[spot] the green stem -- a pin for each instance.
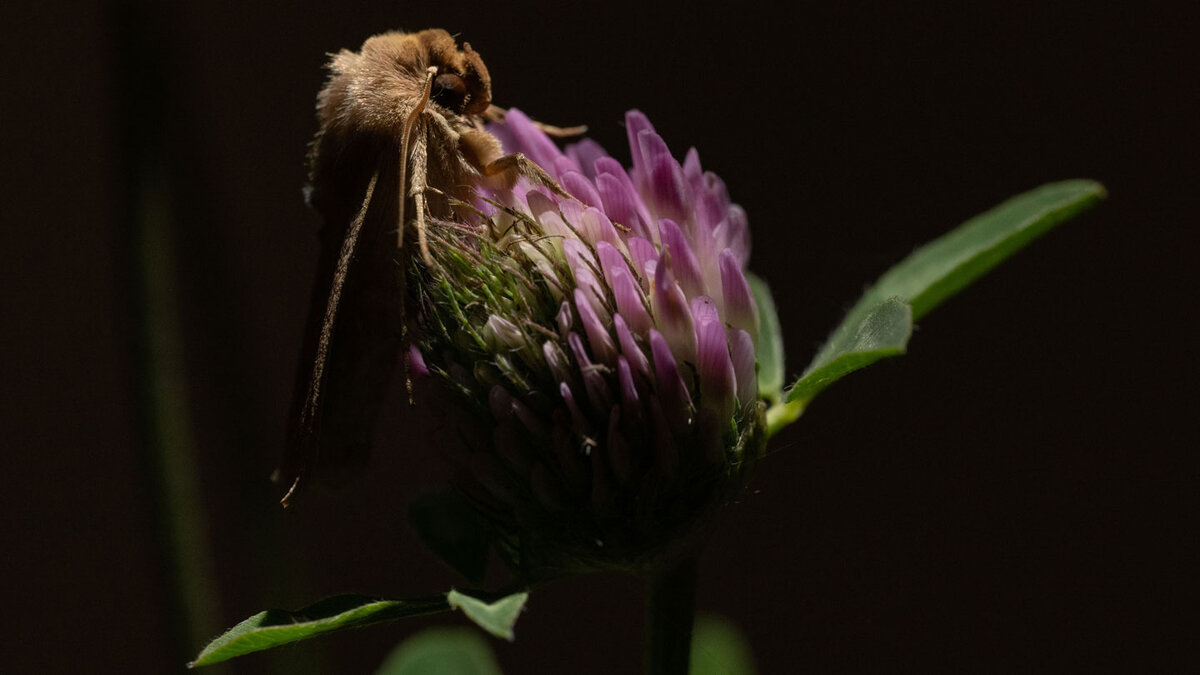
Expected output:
(672, 611)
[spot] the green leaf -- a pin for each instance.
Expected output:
(938, 270)
(770, 341)
(883, 332)
(453, 530)
(277, 627)
(442, 651)
(496, 617)
(718, 648)
(946, 265)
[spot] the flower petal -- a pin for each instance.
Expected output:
(669, 385)
(599, 339)
(530, 140)
(740, 309)
(683, 262)
(674, 317)
(741, 354)
(714, 370)
(581, 188)
(585, 153)
(630, 349)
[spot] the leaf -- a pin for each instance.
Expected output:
(453, 530)
(442, 651)
(770, 341)
(946, 265)
(496, 617)
(881, 333)
(943, 267)
(719, 648)
(277, 627)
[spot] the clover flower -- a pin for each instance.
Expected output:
(603, 348)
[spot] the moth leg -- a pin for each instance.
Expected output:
(495, 113)
(409, 123)
(418, 185)
(511, 167)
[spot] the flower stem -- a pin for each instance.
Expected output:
(671, 613)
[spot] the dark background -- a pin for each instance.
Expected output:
(1017, 493)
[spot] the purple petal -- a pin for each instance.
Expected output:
(595, 227)
(611, 260)
(691, 169)
(674, 317)
(630, 303)
(737, 233)
(740, 309)
(622, 204)
(530, 140)
(704, 310)
(562, 164)
(556, 360)
(564, 319)
(582, 264)
(683, 262)
(631, 406)
(635, 124)
(665, 189)
(718, 383)
(579, 421)
(598, 337)
(593, 382)
(585, 153)
(630, 349)
(669, 386)
(741, 354)
(642, 252)
(581, 188)
(416, 362)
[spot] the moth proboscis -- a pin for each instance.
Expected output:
(401, 131)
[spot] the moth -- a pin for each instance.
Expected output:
(401, 139)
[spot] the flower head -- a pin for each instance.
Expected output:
(605, 347)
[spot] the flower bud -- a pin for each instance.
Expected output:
(609, 340)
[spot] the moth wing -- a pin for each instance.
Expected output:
(352, 339)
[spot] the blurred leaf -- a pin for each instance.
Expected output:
(935, 272)
(453, 530)
(881, 333)
(496, 617)
(277, 627)
(719, 648)
(442, 651)
(770, 341)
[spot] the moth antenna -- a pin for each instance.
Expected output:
(409, 123)
(313, 398)
(495, 113)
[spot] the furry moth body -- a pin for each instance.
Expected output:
(401, 138)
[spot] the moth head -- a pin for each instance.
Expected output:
(462, 85)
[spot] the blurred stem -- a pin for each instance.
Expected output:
(672, 611)
(147, 220)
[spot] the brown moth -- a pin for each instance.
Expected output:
(401, 139)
